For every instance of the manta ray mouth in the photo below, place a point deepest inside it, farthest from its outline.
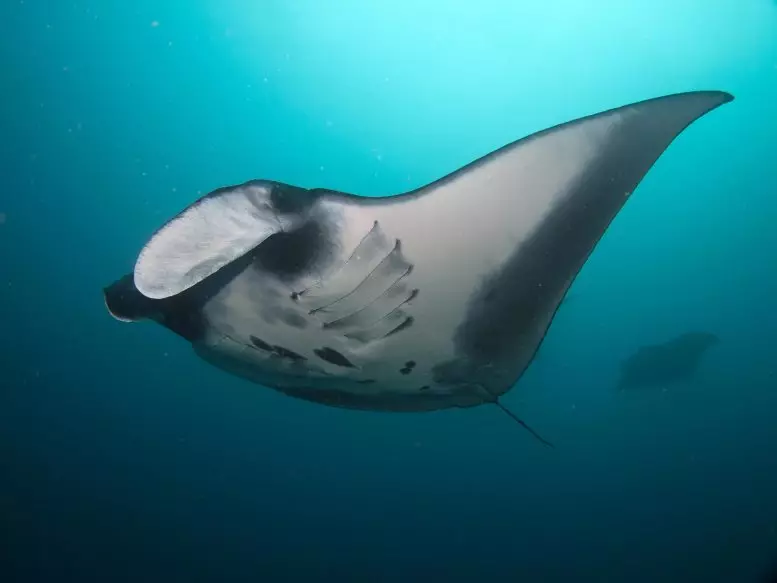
(112, 311)
(125, 303)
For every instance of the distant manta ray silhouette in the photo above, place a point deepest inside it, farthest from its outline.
(432, 299)
(676, 360)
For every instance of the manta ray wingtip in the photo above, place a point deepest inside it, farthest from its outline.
(725, 96)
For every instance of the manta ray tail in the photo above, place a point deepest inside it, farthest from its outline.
(495, 400)
(523, 424)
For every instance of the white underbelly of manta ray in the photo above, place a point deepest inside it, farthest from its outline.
(430, 299)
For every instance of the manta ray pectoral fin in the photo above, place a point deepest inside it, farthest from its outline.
(217, 229)
(518, 224)
(539, 205)
(619, 144)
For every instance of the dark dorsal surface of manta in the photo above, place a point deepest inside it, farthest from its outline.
(431, 299)
(658, 365)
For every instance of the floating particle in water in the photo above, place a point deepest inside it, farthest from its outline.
(3, 217)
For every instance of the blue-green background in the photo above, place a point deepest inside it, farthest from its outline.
(125, 458)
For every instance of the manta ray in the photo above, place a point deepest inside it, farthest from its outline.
(676, 360)
(429, 299)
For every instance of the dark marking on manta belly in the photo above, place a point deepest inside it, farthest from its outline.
(276, 350)
(286, 353)
(261, 344)
(334, 357)
(409, 366)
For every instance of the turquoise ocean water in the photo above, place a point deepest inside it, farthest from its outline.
(125, 458)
